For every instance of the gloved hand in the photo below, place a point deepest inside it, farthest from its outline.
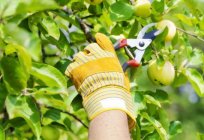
(99, 78)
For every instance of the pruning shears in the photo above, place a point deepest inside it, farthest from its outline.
(141, 43)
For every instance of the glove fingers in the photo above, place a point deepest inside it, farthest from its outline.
(93, 48)
(79, 59)
(104, 42)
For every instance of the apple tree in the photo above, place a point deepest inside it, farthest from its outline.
(38, 39)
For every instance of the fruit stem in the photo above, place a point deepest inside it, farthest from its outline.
(191, 34)
(155, 51)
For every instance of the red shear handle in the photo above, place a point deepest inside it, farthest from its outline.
(122, 43)
(130, 63)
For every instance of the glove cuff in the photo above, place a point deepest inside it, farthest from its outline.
(110, 98)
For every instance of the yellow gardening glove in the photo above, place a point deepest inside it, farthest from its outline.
(99, 78)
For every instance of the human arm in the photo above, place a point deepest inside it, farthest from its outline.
(110, 125)
(99, 78)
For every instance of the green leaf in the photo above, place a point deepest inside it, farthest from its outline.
(15, 35)
(54, 115)
(49, 75)
(120, 11)
(157, 125)
(159, 95)
(139, 101)
(24, 106)
(63, 43)
(194, 5)
(151, 100)
(15, 122)
(77, 37)
(3, 95)
(175, 128)
(51, 100)
(78, 6)
(14, 75)
(158, 5)
(10, 8)
(77, 103)
(179, 80)
(2, 133)
(95, 9)
(184, 19)
(36, 6)
(133, 29)
(62, 65)
(62, 2)
(196, 80)
(51, 27)
(136, 133)
(197, 58)
(117, 30)
(23, 56)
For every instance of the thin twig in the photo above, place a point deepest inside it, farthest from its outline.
(72, 115)
(155, 51)
(76, 118)
(91, 16)
(43, 54)
(84, 26)
(85, 29)
(191, 34)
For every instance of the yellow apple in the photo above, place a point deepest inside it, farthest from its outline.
(94, 2)
(142, 8)
(161, 75)
(171, 29)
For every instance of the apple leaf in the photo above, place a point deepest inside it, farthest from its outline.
(14, 75)
(51, 27)
(120, 11)
(49, 75)
(16, 35)
(175, 128)
(157, 125)
(23, 56)
(25, 107)
(196, 80)
(158, 5)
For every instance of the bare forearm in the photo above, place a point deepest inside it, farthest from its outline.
(110, 125)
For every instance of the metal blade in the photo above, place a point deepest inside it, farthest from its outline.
(138, 55)
(144, 30)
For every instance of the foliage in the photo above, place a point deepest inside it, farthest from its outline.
(38, 38)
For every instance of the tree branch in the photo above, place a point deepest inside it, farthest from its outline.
(76, 118)
(86, 30)
(72, 115)
(191, 34)
(91, 16)
(84, 27)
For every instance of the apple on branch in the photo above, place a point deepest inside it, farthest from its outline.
(142, 8)
(161, 75)
(171, 29)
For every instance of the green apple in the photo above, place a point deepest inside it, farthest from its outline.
(142, 8)
(94, 2)
(50, 133)
(161, 75)
(171, 29)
